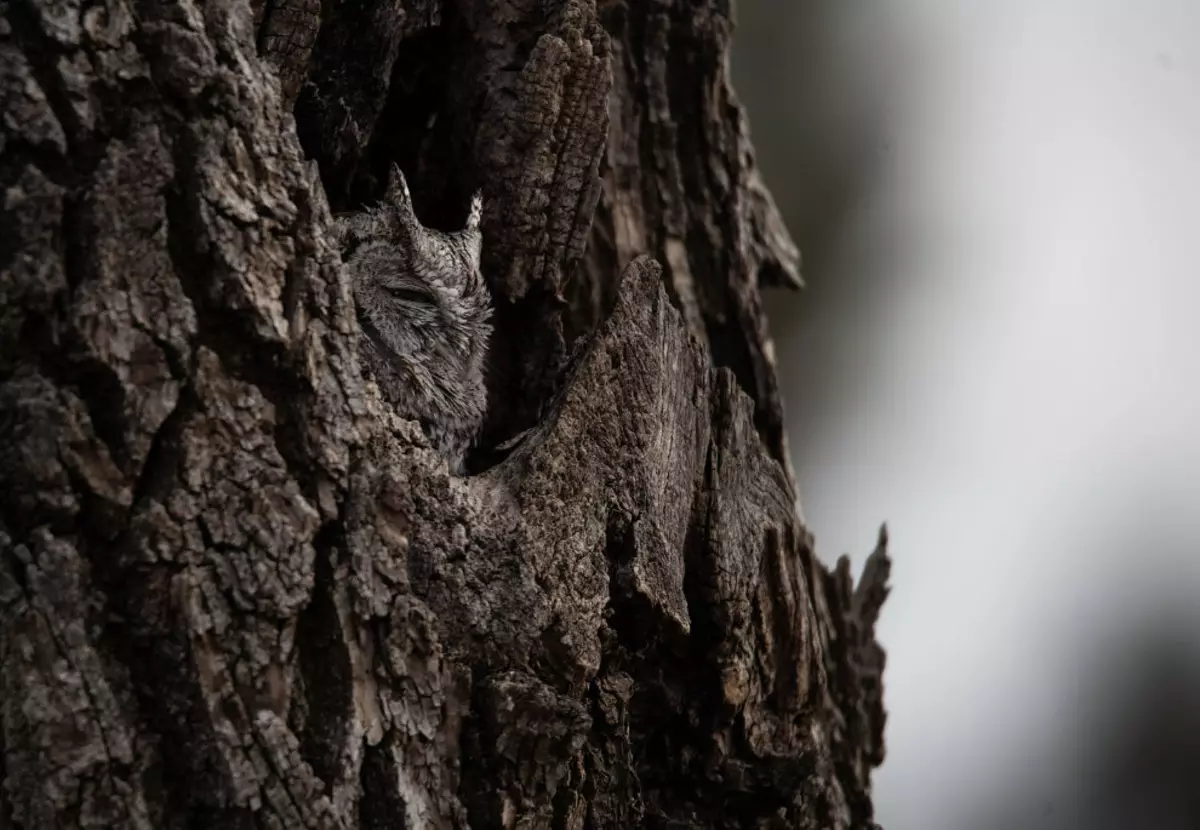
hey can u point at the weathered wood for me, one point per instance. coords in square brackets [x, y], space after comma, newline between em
[237, 591]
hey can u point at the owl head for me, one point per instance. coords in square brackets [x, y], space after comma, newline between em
[425, 313]
[419, 292]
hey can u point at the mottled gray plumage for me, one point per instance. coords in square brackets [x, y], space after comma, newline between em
[425, 313]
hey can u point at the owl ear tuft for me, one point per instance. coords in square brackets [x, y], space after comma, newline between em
[474, 244]
[476, 211]
[399, 198]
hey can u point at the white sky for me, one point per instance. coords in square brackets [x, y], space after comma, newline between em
[1024, 397]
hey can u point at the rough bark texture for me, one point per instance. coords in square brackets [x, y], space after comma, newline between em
[236, 591]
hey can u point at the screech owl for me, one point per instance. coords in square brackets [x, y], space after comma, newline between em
[425, 314]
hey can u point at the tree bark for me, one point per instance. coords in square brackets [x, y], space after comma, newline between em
[237, 591]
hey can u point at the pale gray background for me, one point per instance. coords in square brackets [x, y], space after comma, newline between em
[999, 355]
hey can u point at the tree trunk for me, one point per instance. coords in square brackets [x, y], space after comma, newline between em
[237, 591]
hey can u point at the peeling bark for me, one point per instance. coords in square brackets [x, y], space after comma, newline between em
[237, 591]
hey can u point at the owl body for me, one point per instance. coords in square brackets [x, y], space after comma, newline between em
[425, 314]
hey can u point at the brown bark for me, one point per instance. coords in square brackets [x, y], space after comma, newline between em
[236, 591]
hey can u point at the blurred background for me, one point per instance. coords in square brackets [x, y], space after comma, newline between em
[999, 354]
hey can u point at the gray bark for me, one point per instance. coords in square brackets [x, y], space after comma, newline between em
[237, 591]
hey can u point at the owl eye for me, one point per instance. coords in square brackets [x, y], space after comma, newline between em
[411, 295]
